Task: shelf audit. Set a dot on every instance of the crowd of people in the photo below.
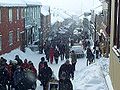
(55, 49)
(17, 74)
(22, 75)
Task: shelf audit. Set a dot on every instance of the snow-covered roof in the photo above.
(58, 15)
(33, 2)
(45, 10)
(9, 3)
(55, 19)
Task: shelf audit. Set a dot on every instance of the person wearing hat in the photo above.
(65, 73)
(46, 75)
(17, 58)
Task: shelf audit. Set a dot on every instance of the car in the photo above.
(34, 46)
(79, 51)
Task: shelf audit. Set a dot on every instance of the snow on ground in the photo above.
(92, 77)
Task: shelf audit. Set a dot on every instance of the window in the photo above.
(0, 42)
(22, 15)
(10, 37)
(10, 14)
(33, 13)
(18, 34)
(18, 14)
(25, 12)
(0, 15)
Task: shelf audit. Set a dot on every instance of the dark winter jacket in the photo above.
(65, 85)
(66, 71)
(41, 65)
(90, 55)
(18, 76)
(56, 53)
(73, 57)
(19, 61)
(3, 76)
(45, 73)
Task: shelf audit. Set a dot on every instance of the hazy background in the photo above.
(76, 6)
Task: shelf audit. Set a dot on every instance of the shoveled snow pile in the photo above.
(90, 78)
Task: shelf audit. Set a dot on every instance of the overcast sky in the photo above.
(77, 6)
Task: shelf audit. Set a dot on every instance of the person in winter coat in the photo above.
(67, 51)
(67, 69)
(97, 47)
(51, 54)
(62, 50)
(47, 50)
(46, 74)
(19, 61)
(40, 67)
(18, 79)
(25, 65)
(90, 56)
(73, 59)
(4, 76)
(11, 69)
(32, 68)
(65, 73)
(56, 55)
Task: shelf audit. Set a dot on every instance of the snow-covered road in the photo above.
(86, 77)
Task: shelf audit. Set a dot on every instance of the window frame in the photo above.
(10, 14)
(10, 38)
(18, 16)
(22, 13)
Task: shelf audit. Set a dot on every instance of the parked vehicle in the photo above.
(79, 51)
(34, 46)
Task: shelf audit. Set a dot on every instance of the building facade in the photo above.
(115, 44)
(11, 25)
(32, 21)
(45, 21)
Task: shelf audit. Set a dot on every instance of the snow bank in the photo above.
(90, 78)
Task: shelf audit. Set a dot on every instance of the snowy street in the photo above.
(86, 77)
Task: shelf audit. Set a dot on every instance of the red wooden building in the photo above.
(11, 25)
